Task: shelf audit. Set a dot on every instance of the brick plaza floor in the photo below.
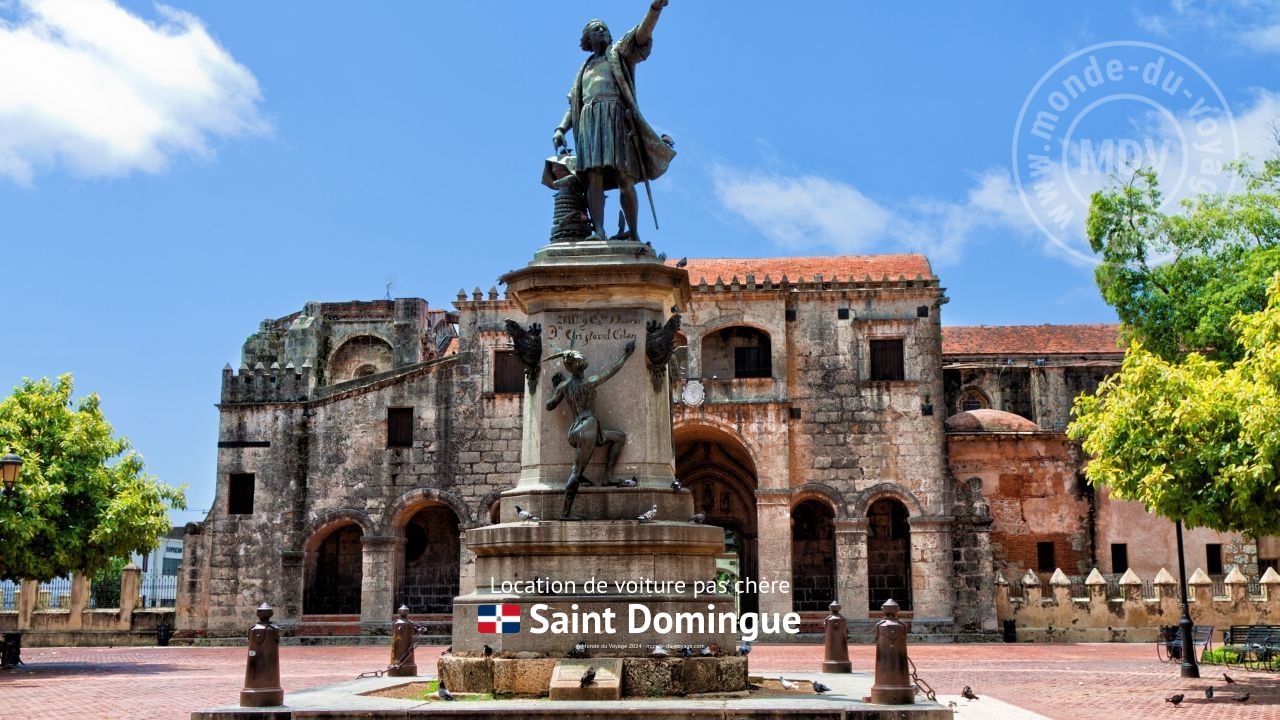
(1103, 681)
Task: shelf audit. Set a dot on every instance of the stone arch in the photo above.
(333, 563)
(813, 554)
(820, 491)
(973, 397)
(357, 354)
(427, 529)
(863, 499)
(888, 552)
(719, 468)
(737, 350)
(410, 502)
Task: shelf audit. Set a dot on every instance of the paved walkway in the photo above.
(1102, 681)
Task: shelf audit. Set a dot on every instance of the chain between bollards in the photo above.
(919, 684)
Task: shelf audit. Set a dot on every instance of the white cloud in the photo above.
(86, 84)
(1263, 39)
(801, 212)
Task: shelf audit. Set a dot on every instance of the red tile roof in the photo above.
(984, 420)
(843, 267)
(1031, 340)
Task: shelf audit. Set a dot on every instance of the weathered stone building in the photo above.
(360, 441)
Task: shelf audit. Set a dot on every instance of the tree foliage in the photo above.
(1196, 439)
(1221, 250)
(83, 498)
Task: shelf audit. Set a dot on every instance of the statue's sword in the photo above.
(644, 172)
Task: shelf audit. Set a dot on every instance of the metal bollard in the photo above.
(402, 644)
(163, 633)
(836, 659)
(262, 671)
(893, 679)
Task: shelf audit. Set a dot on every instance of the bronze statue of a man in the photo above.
(586, 433)
(616, 147)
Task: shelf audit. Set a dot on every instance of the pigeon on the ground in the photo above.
(675, 485)
(588, 677)
(820, 688)
(649, 515)
(686, 652)
(579, 650)
(1175, 699)
(698, 518)
(1208, 692)
(629, 482)
(526, 515)
(967, 693)
(1241, 698)
(786, 684)
(706, 651)
(488, 651)
(744, 648)
(659, 652)
(443, 693)
(1230, 680)
(682, 262)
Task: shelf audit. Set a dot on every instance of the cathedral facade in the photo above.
(849, 445)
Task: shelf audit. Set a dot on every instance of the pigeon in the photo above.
(666, 140)
(1241, 698)
(648, 515)
(951, 704)
(526, 515)
(675, 485)
(1230, 680)
(1175, 699)
(659, 652)
(706, 651)
(967, 694)
(629, 482)
(744, 648)
(675, 309)
(448, 650)
(588, 677)
(786, 684)
(1208, 692)
(443, 693)
(488, 651)
(686, 652)
(579, 650)
(682, 262)
(820, 688)
(698, 518)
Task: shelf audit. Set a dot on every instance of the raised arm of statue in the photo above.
(645, 31)
(616, 366)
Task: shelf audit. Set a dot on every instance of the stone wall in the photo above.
(1095, 614)
(79, 625)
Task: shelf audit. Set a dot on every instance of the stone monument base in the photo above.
(641, 677)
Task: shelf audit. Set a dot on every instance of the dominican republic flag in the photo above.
(498, 619)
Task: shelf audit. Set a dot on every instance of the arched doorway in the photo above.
(888, 554)
(334, 573)
(429, 560)
(813, 556)
(719, 472)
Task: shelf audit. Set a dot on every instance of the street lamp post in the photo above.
(1189, 667)
(11, 644)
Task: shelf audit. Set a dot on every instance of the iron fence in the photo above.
(54, 594)
(159, 591)
(104, 593)
(8, 595)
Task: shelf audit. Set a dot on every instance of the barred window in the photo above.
(886, 360)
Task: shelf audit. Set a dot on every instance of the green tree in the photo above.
(1223, 249)
(1196, 439)
(83, 498)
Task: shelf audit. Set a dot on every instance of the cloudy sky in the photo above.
(170, 175)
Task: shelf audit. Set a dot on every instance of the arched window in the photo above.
(973, 399)
(737, 352)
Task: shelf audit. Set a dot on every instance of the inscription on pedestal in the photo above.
(582, 328)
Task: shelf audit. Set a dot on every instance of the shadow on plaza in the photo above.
(36, 670)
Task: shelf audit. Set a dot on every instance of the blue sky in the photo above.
(172, 175)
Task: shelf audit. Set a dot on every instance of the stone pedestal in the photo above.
(594, 297)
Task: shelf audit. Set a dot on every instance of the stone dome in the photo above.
(992, 421)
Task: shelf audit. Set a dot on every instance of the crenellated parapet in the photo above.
(1098, 609)
(262, 384)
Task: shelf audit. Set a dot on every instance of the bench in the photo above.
(1169, 644)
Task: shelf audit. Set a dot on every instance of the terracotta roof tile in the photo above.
(796, 268)
(1031, 340)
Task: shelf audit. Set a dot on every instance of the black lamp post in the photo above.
(1189, 667)
(10, 643)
